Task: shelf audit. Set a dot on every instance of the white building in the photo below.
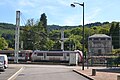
(99, 45)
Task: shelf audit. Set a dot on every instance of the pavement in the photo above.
(102, 73)
(9, 72)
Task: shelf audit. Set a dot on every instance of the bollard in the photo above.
(93, 72)
(118, 77)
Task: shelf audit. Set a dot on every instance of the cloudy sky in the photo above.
(60, 12)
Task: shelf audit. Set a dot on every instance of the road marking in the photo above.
(15, 75)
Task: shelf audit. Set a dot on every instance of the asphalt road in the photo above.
(8, 72)
(48, 72)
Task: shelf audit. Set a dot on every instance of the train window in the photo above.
(9, 54)
(67, 54)
(54, 54)
(21, 54)
(109, 39)
(90, 38)
(39, 54)
(96, 38)
(103, 38)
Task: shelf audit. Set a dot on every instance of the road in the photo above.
(8, 72)
(49, 72)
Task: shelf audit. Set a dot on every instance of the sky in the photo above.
(59, 12)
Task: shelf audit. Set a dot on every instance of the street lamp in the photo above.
(73, 5)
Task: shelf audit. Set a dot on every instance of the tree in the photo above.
(76, 31)
(43, 20)
(54, 35)
(114, 33)
(104, 31)
(35, 36)
(116, 36)
(73, 43)
(9, 38)
(3, 44)
(111, 31)
(27, 37)
(49, 44)
(40, 37)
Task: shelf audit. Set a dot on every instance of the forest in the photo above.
(40, 36)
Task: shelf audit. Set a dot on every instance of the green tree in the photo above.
(76, 31)
(9, 38)
(3, 44)
(116, 36)
(49, 44)
(43, 20)
(114, 33)
(54, 35)
(73, 43)
(112, 28)
(104, 31)
(27, 38)
(35, 36)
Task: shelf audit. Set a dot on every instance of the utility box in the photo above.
(73, 59)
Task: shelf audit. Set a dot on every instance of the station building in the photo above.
(99, 45)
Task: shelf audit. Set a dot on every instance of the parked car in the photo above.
(1, 66)
(4, 60)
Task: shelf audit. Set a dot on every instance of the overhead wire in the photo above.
(23, 19)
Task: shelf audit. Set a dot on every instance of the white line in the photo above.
(15, 75)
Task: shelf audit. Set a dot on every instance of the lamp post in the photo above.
(73, 5)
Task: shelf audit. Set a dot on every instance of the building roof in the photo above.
(99, 36)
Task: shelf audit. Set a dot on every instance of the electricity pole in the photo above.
(62, 39)
(17, 32)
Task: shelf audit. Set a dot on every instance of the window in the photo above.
(103, 38)
(99, 51)
(96, 38)
(90, 38)
(39, 54)
(54, 54)
(109, 39)
(67, 54)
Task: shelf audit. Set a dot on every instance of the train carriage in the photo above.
(54, 55)
(23, 55)
(37, 55)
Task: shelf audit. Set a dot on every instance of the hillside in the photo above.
(7, 28)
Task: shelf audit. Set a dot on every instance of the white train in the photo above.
(54, 55)
(29, 55)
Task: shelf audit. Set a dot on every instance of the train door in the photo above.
(28, 56)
